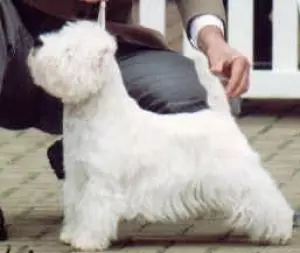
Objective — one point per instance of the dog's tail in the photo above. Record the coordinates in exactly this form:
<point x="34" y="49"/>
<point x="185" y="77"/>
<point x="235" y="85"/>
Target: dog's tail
<point x="216" y="96"/>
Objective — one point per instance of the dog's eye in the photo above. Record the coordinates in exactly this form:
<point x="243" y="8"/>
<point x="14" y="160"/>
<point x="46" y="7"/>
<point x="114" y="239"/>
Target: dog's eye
<point x="37" y="43"/>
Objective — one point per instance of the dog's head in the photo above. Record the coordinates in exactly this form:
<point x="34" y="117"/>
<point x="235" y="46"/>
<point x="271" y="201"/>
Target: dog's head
<point x="74" y="62"/>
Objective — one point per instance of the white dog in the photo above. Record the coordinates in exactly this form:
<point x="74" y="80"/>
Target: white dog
<point x="122" y="162"/>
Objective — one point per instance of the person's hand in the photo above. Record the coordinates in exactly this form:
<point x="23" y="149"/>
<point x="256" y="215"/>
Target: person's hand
<point x="227" y="63"/>
<point x="231" y="66"/>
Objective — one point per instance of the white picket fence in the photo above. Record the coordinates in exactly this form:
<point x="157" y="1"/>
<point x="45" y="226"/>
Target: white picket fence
<point x="283" y="80"/>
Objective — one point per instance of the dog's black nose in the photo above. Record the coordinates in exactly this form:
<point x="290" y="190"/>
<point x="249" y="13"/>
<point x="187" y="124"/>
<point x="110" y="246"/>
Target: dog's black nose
<point x="37" y="43"/>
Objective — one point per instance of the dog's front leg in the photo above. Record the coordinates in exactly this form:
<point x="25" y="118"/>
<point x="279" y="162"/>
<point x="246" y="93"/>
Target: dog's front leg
<point x="72" y="187"/>
<point x="98" y="213"/>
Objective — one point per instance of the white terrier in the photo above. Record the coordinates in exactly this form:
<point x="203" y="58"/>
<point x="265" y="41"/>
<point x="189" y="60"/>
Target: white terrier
<point x="122" y="162"/>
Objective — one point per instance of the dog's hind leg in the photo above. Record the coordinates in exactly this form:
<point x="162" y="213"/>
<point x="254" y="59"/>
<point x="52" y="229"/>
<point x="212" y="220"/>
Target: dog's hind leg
<point x="98" y="212"/>
<point x="245" y="192"/>
<point x="233" y="181"/>
<point x="270" y="217"/>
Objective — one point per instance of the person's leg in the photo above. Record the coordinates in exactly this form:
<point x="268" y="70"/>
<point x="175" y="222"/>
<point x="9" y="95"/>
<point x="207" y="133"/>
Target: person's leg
<point x="17" y="93"/>
<point x="161" y="81"/>
<point x="21" y="102"/>
<point x="3" y="232"/>
<point x="16" y="109"/>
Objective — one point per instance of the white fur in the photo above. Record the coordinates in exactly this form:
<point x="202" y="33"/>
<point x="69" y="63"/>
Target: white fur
<point x="216" y="96"/>
<point x="122" y="162"/>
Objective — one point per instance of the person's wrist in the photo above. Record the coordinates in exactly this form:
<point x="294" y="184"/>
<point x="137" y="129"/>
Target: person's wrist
<point x="210" y="37"/>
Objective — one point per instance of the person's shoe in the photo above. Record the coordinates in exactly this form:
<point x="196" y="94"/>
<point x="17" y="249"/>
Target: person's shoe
<point x="3" y="231"/>
<point x="55" y="156"/>
<point x="296" y="219"/>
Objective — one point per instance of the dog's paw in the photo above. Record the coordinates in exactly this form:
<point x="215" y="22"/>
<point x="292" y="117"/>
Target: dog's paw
<point x="273" y="240"/>
<point x="65" y="238"/>
<point x="275" y="234"/>
<point x="85" y="242"/>
<point x="279" y="240"/>
<point x="66" y="235"/>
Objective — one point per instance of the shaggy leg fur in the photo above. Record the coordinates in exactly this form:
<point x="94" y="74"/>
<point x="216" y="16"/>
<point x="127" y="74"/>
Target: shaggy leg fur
<point x="261" y="212"/>
<point x="70" y="193"/>
<point x="97" y="217"/>
<point x="72" y="188"/>
<point x="251" y="198"/>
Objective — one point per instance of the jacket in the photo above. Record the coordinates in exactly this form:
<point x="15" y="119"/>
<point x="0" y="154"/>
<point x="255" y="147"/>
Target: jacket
<point x="119" y="17"/>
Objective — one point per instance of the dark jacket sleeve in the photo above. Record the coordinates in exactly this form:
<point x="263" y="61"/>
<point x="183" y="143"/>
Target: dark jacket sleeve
<point x="66" y="9"/>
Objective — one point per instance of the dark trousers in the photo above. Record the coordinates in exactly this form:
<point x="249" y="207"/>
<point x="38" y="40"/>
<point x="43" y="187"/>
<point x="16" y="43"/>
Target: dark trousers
<point x="160" y="81"/>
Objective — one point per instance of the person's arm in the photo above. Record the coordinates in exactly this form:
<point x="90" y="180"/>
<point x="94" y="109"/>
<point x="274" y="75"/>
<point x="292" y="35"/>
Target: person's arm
<point x="198" y="24"/>
<point x="208" y="35"/>
<point x="65" y="9"/>
<point x="189" y="9"/>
